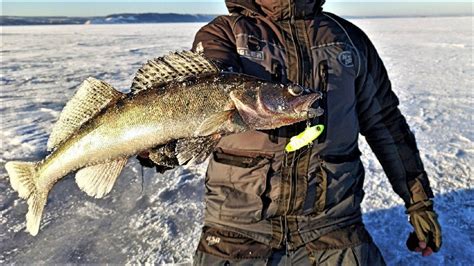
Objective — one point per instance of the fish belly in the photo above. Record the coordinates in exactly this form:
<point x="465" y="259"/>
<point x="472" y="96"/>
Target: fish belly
<point x="106" y="143"/>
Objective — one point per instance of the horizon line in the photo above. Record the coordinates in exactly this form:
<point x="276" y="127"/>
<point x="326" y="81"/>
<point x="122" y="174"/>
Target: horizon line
<point x="94" y="9"/>
<point x="221" y="14"/>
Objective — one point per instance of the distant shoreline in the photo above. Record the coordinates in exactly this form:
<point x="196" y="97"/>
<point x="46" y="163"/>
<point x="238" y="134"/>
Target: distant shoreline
<point x="152" y="18"/>
<point x="125" y="18"/>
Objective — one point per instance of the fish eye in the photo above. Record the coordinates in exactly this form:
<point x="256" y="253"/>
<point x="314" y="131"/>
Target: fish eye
<point x="295" y="90"/>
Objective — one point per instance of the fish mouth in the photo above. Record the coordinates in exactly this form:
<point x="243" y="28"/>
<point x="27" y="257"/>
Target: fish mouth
<point x="314" y="112"/>
<point x="305" y="106"/>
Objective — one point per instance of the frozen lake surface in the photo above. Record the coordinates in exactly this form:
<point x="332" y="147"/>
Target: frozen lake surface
<point x="430" y="62"/>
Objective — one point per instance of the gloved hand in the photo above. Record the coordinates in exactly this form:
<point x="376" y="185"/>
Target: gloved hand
<point x="144" y="159"/>
<point x="427" y="236"/>
<point x="162" y="158"/>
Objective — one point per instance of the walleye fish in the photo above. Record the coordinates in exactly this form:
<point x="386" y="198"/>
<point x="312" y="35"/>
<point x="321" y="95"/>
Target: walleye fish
<point x="181" y="97"/>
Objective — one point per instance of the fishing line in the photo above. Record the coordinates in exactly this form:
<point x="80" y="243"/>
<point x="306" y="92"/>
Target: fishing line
<point x="143" y="179"/>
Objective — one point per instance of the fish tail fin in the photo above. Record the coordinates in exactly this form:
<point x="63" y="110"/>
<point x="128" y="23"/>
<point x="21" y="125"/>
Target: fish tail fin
<point x="36" y="204"/>
<point x="22" y="179"/>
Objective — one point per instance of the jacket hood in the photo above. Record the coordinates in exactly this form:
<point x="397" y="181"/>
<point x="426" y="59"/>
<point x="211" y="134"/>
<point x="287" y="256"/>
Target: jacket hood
<point x="276" y="9"/>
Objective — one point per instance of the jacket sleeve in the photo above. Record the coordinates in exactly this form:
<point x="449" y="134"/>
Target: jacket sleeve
<point x="217" y="41"/>
<point x="387" y="131"/>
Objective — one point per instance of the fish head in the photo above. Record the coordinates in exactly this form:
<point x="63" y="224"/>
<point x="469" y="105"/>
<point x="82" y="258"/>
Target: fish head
<point x="265" y="105"/>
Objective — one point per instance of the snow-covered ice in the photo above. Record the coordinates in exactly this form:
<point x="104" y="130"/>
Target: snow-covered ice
<point x="156" y="218"/>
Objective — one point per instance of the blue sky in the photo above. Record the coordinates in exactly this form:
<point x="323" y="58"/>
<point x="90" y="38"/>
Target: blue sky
<point x="342" y="7"/>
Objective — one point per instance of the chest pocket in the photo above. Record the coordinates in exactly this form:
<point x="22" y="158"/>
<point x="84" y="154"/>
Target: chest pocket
<point x="235" y="185"/>
<point x="260" y="57"/>
<point x="335" y="69"/>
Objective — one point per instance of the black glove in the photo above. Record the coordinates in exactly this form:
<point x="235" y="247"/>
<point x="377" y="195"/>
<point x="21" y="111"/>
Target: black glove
<point x="427" y="235"/>
<point x="162" y="158"/>
<point x="145" y="161"/>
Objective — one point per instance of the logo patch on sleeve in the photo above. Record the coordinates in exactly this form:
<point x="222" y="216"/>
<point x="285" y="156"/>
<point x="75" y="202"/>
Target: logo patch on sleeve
<point x="256" y="55"/>
<point x="346" y="59"/>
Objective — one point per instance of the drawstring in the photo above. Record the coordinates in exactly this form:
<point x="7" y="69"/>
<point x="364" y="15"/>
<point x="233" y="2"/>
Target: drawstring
<point x="286" y="237"/>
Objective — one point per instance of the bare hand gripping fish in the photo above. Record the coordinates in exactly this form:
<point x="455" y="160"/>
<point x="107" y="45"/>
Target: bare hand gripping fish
<point x="181" y="97"/>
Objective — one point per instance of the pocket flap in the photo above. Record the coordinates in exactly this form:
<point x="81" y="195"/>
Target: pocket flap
<point x="236" y="160"/>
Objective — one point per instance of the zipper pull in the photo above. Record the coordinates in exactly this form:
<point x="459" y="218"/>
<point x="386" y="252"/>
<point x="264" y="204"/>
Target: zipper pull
<point x="292" y="20"/>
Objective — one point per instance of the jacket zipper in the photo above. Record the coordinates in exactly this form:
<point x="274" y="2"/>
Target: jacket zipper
<point x="297" y="49"/>
<point x="293" y="181"/>
<point x="323" y="87"/>
<point x="298" y="80"/>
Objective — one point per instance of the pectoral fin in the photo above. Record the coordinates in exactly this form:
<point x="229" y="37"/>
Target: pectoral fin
<point x="213" y="123"/>
<point x="222" y="123"/>
<point x="184" y="151"/>
<point x="98" y="180"/>
<point x="195" y="150"/>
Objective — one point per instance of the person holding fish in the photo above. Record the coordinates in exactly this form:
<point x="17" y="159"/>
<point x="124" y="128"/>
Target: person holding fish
<point x="267" y="205"/>
<point x="276" y="93"/>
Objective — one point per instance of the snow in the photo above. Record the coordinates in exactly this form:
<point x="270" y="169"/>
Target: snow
<point x="153" y="218"/>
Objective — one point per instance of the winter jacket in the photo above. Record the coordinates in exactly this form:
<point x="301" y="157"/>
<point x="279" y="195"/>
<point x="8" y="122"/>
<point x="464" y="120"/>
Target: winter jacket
<point x="254" y="187"/>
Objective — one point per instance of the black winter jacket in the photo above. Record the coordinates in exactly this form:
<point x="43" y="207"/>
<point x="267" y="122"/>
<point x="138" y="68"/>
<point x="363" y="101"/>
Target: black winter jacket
<point x="253" y="186"/>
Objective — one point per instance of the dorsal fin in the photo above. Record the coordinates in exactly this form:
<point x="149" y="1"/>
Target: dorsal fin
<point x="175" y="66"/>
<point x="92" y="97"/>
